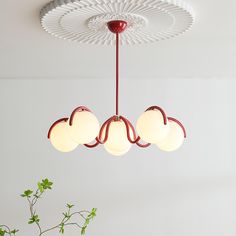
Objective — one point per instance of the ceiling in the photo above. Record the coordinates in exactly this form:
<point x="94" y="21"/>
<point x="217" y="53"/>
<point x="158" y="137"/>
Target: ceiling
<point x="189" y="192"/>
<point x="207" y="50"/>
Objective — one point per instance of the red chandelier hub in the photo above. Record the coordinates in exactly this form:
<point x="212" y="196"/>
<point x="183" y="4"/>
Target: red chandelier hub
<point x="117" y="26"/>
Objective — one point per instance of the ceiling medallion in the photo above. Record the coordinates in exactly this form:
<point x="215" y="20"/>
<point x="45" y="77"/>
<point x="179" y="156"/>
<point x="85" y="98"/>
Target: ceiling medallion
<point x="117" y="134"/>
<point x="85" y="21"/>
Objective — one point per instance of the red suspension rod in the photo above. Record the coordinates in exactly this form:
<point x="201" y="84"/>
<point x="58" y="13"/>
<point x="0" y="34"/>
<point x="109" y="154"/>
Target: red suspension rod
<point x="117" y="27"/>
<point x="117" y="74"/>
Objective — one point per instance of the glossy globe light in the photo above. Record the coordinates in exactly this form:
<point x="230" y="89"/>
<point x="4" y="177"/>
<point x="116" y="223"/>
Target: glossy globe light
<point x="60" y="138"/>
<point x="150" y="126"/>
<point x="85" y="127"/>
<point x="117" y="143"/>
<point x="174" y="139"/>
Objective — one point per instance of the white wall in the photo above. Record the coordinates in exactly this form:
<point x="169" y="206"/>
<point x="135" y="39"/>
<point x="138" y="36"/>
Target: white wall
<point x="190" y="192"/>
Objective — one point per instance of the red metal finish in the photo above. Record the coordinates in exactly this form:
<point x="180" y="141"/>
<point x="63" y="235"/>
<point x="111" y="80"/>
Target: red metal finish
<point x="92" y="145"/>
<point x="78" y="109"/>
<point x="161" y="110"/>
<point x="117" y="74"/>
<point x="117" y="26"/>
<point x="136" y="140"/>
<point x="179" y="123"/>
<point x="129" y="126"/>
<point x="106" y="125"/>
<point x="143" y="145"/>
<point x="54" y="124"/>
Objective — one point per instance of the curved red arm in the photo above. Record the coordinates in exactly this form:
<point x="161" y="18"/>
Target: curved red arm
<point x="143" y="145"/>
<point x="179" y="123"/>
<point x="159" y="109"/>
<point x="78" y="109"/>
<point x="92" y="145"/>
<point x="136" y="138"/>
<point x="54" y="124"/>
<point x="105" y="125"/>
<point x="128" y="125"/>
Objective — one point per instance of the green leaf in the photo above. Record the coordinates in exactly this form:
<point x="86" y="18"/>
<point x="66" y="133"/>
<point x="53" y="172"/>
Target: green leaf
<point x="46" y="184"/>
<point x="34" y="219"/>
<point x="27" y="193"/>
<point x="83" y="230"/>
<point x="86" y="221"/>
<point x="66" y="215"/>
<point x="94" y="210"/>
<point x="40" y="187"/>
<point x="2" y="232"/>
<point x="61" y="228"/>
<point x="92" y="214"/>
<point x="69" y="206"/>
<point x="14" y="231"/>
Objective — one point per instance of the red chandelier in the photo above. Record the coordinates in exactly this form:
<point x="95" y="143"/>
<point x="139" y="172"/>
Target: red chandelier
<point x="117" y="133"/>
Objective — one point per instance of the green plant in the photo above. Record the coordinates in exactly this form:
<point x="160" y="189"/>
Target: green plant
<point x="4" y="230"/>
<point x="67" y="217"/>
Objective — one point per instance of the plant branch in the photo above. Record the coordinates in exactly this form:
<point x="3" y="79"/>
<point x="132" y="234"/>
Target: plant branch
<point x="74" y="224"/>
<point x="4" y="229"/>
<point x="32" y="198"/>
<point x="65" y="220"/>
<point x="5" y="226"/>
<point x="32" y="214"/>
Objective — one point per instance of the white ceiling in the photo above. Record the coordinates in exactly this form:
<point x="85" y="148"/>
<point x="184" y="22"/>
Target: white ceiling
<point x="207" y="50"/>
<point x="190" y="192"/>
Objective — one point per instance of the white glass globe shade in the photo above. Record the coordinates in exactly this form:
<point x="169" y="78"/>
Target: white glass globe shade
<point x="60" y="138"/>
<point x="174" y="139"/>
<point x="117" y="143"/>
<point x="115" y="152"/>
<point x="150" y="126"/>
<point x="85" y="127"/>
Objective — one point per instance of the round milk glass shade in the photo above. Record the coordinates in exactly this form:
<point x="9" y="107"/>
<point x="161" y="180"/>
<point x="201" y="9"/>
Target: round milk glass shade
<point x="60" y="138"/>
<point x="174" y="139"/>
<point x="117" y="143"/>
<point x="150" y="126"/>
<point x="84" y="128"/>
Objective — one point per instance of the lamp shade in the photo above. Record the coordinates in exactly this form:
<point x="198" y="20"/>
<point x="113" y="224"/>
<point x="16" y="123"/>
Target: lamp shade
<point x="150" y="126"/>
<point x="60" y="138"/>
<point x="174" y="139"/>
<point x="84" y="128"/>
<point x="117" y="143"/>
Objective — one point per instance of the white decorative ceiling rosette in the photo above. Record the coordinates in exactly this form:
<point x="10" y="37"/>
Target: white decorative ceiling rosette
<point x="85" y="21"/>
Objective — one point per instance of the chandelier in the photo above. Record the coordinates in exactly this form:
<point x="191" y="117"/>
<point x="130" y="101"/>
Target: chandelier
<point x="117" y="133"/>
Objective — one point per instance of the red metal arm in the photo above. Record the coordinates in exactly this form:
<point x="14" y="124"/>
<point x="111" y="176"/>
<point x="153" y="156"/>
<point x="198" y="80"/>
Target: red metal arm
<point x="136" y="138"/>
<point x="179" y="123"/>
<point x="161" y="110"/>
<point x="54" y="124"/>
<point x="78" y="109"/>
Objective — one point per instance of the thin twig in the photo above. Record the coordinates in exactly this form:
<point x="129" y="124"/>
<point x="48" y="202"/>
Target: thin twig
<point x="32" y="213"/>
<point x="8" y="229"/>
<point x="79" y="213"/>
<point x="74" y="224"/>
